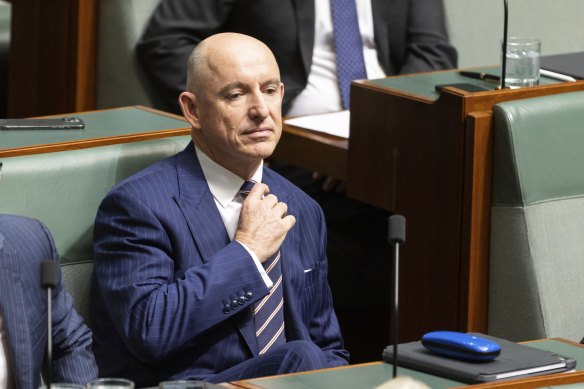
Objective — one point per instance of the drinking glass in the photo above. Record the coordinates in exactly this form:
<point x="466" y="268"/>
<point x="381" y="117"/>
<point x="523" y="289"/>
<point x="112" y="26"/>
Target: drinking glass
<point x="110" y="383"/>
<point x="184" y="384"/>
<point x="523" y="58"/>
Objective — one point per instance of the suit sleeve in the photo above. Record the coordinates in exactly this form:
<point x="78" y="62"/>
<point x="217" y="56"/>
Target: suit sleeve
<point x="73" y="359"/>
<point x="156" y="307"/>
<point x="174" y="30"/>
<point x="427" y="46"/>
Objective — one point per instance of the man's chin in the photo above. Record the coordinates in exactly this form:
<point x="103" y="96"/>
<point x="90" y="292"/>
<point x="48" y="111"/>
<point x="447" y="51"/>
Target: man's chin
<point x="261" y="150"/>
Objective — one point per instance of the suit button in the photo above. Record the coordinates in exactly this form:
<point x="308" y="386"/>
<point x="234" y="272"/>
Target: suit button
<point x="248" y="295"/>
<point x="242" y="300"/>
<point x="234" y="304"/>
<point x="226" y="308"/>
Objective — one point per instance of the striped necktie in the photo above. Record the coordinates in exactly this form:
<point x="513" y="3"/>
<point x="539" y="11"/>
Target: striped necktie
<point x="269" y="312"/>
<point x="348" y="46"/>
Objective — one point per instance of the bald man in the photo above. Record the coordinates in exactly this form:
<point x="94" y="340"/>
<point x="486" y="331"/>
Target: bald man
<point x="192" y="274"/>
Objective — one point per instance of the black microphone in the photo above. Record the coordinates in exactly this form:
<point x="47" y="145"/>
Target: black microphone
<point x="504" y="57"/>
<point x="49" y="281"/>
<point x="396" y="236"/>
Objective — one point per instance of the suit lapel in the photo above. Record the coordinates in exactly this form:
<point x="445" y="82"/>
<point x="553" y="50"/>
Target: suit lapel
<point x="305" y="22"/>
<point x="14" y="311"/>
<point x="197" y="204"/>
<point x="200" y="211"/>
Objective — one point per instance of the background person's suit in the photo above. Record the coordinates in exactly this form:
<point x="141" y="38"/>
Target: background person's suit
<point x="410" y="36"/>
<point x="165" y="269"/>
<point x="24" y="243"/>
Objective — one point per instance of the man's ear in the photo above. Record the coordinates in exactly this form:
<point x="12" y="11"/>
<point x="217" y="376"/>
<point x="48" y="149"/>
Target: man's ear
<point x="188" y="105"/>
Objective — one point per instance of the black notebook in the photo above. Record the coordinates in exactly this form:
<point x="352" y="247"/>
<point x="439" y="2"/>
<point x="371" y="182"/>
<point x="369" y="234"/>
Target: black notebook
<point x="571" y="64"/>
<point x="515" y="361"/>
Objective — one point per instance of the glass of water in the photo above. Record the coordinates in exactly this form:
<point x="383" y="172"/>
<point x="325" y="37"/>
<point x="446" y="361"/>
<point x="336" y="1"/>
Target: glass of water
<point x="523" y="58"/>
<point x="110" y="383"/>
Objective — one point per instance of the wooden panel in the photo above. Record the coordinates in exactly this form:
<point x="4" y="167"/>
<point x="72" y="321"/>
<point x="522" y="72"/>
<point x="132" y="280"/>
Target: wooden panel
<point x="324" y="153"/>
<point x="477" y="221"/>
<point x="406" y="155"/>
<point x="430" y="160"/>
<point x="52" y="57"/>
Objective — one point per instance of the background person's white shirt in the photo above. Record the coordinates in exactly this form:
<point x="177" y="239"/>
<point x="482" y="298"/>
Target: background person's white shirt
<point x="5" y="371"/>
<point x="322" y="90"/>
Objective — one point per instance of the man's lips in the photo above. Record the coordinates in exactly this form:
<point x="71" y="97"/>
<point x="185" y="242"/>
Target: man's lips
<point x="260" y="131"/>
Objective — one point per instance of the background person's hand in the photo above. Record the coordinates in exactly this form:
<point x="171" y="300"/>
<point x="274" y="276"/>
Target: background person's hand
<point x="263" y="222"/>
<point x="329" y="184"/>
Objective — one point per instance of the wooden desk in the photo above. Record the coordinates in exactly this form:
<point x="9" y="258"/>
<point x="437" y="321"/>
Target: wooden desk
<point x="369" y="375"/>
<point x="428" y="157"/>
<point x="105" y="127"/>
<point x="315" y="151"/>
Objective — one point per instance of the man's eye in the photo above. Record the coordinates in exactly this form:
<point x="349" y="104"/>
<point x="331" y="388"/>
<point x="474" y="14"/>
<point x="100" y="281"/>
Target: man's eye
<point x="271" y="91"/>
<point x="234" y="96"/>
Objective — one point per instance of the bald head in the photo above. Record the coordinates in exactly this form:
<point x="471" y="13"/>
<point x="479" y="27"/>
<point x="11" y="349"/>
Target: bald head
<point x="234" y="101"/>
<point x="221" y="50"/>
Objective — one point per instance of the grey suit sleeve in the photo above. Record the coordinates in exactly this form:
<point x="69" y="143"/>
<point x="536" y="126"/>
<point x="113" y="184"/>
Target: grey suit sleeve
<point x="427" y="46"/>
<point x="174" y="30"/>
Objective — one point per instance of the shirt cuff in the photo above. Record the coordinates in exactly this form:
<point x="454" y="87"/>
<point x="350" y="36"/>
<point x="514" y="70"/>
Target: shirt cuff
<point x="259" y="265"/>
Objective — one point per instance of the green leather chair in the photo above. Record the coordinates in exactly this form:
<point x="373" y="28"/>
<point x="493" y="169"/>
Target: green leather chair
<point x="64" y="190"/>
<point x="537" y="221"/>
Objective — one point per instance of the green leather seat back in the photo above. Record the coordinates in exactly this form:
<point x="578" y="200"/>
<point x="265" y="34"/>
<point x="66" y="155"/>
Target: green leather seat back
<point x="64" y="190"/>
<point x="537" y="221"/>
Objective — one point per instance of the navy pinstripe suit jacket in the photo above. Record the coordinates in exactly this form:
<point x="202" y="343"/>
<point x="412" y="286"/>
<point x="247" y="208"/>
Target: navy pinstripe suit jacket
<point x="165" y="268"/>
<point x="24" y="243"/>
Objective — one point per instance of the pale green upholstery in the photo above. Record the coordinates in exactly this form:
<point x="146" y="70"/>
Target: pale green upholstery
<point x="120" y="80"/>
<point x="537" y="221"/>
<point x="476" y="27"/>
<point x="64" y="190"/>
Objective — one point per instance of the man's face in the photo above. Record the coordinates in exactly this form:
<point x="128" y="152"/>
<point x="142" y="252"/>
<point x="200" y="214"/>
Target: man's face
<point x="237" y="108"/>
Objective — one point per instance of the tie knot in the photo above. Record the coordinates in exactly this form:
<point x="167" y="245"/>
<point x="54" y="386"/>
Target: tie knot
<point x="246" y="188"/>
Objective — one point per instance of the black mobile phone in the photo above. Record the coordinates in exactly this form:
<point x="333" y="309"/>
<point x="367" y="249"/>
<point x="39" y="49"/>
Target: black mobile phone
<point x="63" y="123"/>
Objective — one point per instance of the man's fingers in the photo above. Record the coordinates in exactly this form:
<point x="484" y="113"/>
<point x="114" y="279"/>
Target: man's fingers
<point x="281" y="209"/>
<point x="258" y="191"/>
<point x="289" y="221"/>
<point x="271" y="199"/>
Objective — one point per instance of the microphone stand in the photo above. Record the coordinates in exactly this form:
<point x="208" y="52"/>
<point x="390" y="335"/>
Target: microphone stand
<point x="504" y="57"/>
<point x="49" y="280"/>
<point x="396" y="236"/>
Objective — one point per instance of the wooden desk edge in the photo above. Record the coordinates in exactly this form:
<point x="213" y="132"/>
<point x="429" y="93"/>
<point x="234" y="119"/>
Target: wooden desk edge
<point x="96" y="142"/>
<point x="523" y="383"/>
<point x="245" y="384"/>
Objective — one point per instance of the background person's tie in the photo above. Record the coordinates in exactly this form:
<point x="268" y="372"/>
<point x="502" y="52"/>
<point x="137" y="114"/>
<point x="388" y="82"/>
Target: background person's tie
<point x="269" y="312"/>
<point x="348" y="46"/>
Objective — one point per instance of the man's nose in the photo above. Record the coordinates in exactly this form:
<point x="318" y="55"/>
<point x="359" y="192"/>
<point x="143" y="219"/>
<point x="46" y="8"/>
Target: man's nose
<point x="259" y="106"/>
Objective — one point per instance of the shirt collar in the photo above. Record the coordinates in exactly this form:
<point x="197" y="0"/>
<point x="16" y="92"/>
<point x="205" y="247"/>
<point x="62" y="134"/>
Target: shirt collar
<point x="223" y="183"/>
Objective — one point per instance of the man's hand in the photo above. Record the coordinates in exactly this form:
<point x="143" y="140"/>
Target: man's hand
<point x="263" y="222"/>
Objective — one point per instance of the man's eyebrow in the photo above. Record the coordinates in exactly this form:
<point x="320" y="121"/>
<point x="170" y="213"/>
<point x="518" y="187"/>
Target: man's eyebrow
<point x="229" y="87"/>
<point x="239" y="85"/>
<point x="272" y="81"/>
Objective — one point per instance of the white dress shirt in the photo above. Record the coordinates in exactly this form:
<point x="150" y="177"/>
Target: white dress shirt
<point x="224" y="186"/>
<point x="5" y="381"/>
<point x="322" y="90"/>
